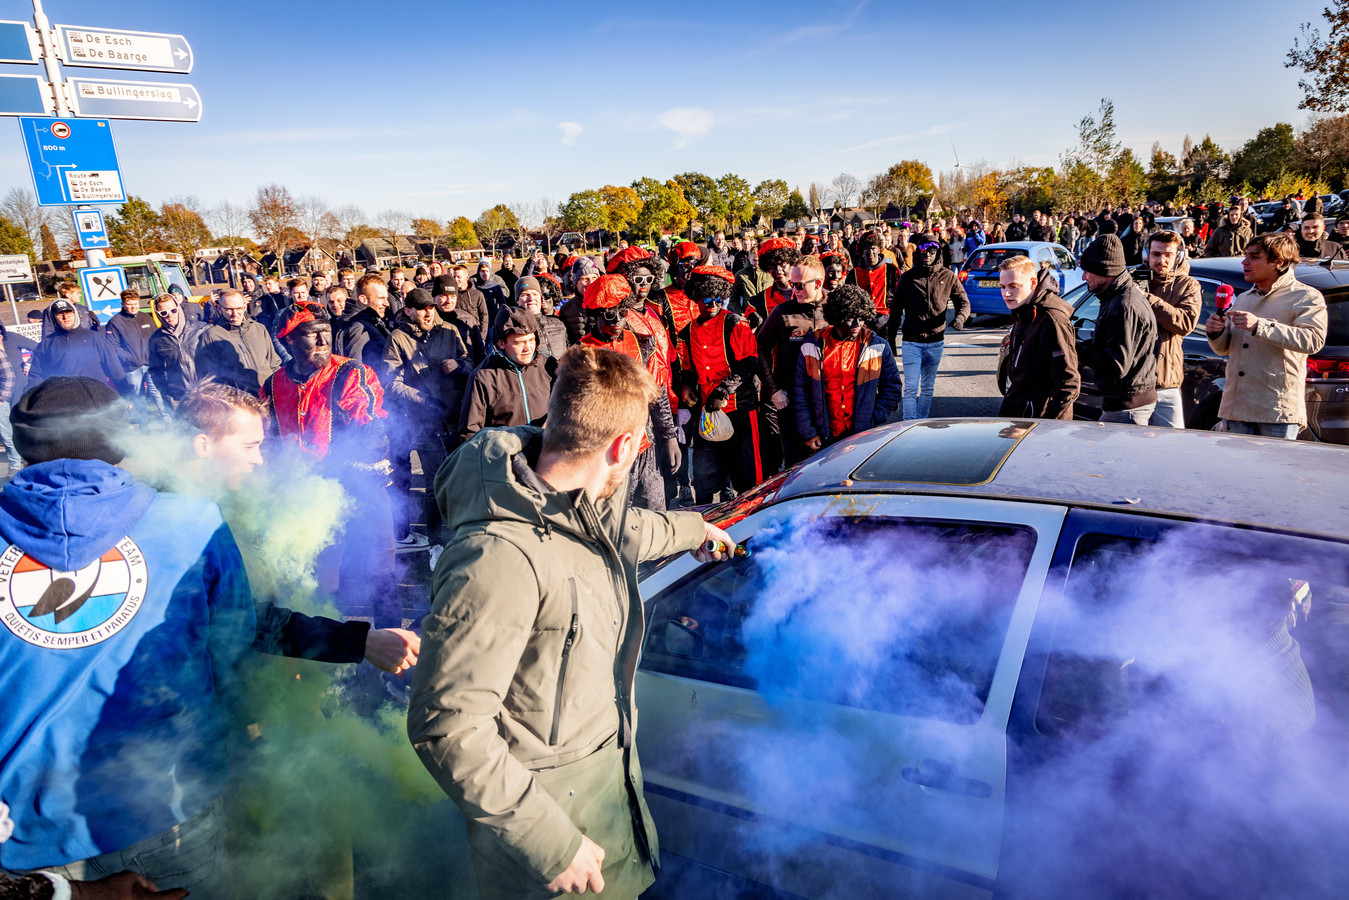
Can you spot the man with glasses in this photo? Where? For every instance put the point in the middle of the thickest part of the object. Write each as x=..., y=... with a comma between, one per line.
x=237, y=350
x=780, y=339
x=922, y=298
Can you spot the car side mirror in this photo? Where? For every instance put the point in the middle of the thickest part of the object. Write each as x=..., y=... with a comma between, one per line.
x=1086, y=332
x=682, y=641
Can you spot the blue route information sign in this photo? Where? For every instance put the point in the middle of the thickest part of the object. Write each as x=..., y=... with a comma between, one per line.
x=73, y=161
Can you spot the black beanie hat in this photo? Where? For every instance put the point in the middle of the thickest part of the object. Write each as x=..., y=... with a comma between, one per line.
x=513, y=320
x=419, y=298
x=1104, y=256
x=69, y=418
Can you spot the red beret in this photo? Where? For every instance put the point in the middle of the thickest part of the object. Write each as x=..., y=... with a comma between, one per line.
x=715, y=270
x=625, y=256
x=606, y=292
x=300, y=314
x=775, y=243
x=685, y=249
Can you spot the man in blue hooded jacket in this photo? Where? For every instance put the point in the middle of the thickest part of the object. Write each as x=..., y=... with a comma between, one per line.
x=122, y=614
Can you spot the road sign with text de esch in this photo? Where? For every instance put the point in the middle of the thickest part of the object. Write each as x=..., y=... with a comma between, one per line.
x=72, y=160
x=105, y=98
x=114, y=48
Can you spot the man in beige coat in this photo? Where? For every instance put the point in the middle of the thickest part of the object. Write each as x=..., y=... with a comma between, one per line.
x=522, y=705
x=1176, y=300
x=1267, y=337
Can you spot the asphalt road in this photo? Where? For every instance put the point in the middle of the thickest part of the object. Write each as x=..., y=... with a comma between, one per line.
x=967, y=380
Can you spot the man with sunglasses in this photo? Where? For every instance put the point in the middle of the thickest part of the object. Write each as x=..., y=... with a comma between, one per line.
x=780, y=339
x=876, y=276
x=608, y=302
x=923, y=295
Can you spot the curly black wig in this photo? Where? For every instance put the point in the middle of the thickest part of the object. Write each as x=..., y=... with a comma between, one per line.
x=702, y=287
x=848, y=302
x=778, y=255
x=871, y=239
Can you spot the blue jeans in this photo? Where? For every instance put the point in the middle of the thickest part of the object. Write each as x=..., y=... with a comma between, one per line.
x=1170, y=412
x=1287, y=431
x=1139, y=415
x=921, y=362
x=141, y=383
x=189, y=855
x=7, y=435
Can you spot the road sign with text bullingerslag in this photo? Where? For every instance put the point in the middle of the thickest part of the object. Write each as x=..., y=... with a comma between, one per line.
x=106, y=98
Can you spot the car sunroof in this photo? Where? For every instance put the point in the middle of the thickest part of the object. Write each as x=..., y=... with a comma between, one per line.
x=945, y=453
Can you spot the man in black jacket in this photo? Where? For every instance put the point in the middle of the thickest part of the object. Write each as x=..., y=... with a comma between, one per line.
x=1124, y=350
x=130, y=330
x=922, y=297
x=512, y=386
x=73, y=350
x=1040, y=367
x=365, y=330
x=1313, y=242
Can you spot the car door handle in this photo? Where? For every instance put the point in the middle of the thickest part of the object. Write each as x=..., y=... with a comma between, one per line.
x=942, y=776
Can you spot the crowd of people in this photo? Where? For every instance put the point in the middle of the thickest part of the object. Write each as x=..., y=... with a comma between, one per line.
x=734, y=360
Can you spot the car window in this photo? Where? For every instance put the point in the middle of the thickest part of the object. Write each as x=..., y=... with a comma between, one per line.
x=1337, y=315
x=1160, y=632
x=985, y=259
x=1044, y=257
x=1088, y=310
x=1066, y=260
x=897, y=615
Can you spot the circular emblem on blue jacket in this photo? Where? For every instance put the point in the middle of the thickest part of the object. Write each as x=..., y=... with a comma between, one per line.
x=69, y=610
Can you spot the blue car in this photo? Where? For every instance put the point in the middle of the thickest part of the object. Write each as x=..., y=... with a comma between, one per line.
x=979, y=275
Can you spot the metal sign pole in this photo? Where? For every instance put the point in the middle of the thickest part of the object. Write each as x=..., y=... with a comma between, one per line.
x=47, y=43
x=14, y=307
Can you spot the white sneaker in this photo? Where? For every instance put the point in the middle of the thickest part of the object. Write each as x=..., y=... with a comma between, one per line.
x=413, y=543
x=434, y=552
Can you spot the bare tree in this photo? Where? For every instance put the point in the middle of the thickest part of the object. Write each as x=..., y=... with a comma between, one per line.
x=274, y=218
x=350, y=218
x=312, y=212
x=391, y=224
x=20, y=207
x=527, y=219
x=229, y=222
x=844, y=189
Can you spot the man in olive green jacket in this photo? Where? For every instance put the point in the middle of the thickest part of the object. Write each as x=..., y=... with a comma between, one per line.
x=522, y=703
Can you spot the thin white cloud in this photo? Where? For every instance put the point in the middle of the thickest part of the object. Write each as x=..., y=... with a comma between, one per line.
x=570, y=132
x=688, y=123
x=819, y=31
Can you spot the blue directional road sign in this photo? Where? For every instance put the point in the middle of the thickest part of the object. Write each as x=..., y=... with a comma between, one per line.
x=103, y=289
x=24, y=95
x=113, y=48
x=73, y=161
x=18, y=42
x=90, y=230
x=158, y=100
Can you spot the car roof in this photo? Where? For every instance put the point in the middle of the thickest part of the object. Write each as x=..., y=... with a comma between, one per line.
x=1293, y=486
x=1021, y=245
x=1333, y=278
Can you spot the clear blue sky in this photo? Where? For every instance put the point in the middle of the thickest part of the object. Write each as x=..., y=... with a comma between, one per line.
x=444, y=108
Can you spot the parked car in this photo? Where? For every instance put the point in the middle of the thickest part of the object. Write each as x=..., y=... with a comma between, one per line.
x=974, y=658
x=1206, y=372
x=979, y=274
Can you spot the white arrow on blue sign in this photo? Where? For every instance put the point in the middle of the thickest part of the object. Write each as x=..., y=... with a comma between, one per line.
x=114, y=48
x=89, y=229
x=104, y=98
x=103, y=289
